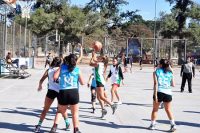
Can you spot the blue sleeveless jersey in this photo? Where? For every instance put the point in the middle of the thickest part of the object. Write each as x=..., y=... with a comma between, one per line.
x=164, y=81
x=69, y=80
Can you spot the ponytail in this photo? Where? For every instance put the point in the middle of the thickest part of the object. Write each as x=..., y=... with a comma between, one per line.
x=71, y=62
x=165, y=65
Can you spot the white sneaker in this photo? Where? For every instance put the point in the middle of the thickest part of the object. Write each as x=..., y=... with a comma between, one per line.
x=173, y=128
x=152, y=127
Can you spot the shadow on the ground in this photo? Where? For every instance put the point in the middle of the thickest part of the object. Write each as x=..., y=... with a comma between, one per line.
x=16, y=127
x=28, y=111
x=192, y=112
x=21, y=127
x=111, y=125
x=138, y=104
x=180, y=123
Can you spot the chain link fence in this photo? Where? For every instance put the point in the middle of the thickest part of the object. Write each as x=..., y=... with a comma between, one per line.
x=12, y=39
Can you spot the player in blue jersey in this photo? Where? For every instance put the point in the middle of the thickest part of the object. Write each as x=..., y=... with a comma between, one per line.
x=52, y=93
x=92, y=85
x=163, y=80
x=69, y=78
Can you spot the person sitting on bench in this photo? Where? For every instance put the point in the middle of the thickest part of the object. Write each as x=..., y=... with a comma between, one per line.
x=10, y=61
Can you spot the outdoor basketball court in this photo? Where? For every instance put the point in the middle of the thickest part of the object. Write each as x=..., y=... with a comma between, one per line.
x=21, y=105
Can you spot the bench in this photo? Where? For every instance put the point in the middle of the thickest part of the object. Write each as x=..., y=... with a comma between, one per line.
x=13, y=70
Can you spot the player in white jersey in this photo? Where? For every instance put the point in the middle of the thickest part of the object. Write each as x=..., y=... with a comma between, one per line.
x=52, y=93
x=116, y=76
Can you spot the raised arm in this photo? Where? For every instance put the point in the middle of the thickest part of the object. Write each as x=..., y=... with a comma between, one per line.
x=81, y=54
x=93, y=61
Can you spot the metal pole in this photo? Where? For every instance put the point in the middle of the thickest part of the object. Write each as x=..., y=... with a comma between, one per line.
x=82, y=39
x=59, y=45
x=185, y=54
x=155, y=45
x=25, y=36
x=20, y=39
x=127, y=47
x=29, y=42
x=6, y=34
x=141, y=47
x=171, y=49
x=3, y=34
x=46, y=39
x=105, y=45
x=13, y=38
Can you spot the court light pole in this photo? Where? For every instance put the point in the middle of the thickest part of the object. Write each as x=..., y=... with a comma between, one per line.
x=155, y=43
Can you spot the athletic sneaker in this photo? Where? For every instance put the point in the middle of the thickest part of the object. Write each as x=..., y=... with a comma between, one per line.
x=104, y=112
x=93, y=110
x=53, y=130
x=173, y=128
x=76, y=130
x=37, y=128
x=114, y=107
x=68, y=127
x=152, y=127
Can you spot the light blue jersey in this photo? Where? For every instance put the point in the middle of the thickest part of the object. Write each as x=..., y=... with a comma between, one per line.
x=93, y=84
x=69, y=80
x=164, y=81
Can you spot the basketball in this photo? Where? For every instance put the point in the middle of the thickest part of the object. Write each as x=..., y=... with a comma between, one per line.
x=97, y=46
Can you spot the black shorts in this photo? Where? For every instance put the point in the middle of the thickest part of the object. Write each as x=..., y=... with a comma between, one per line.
x=68, y=97
x=162, y=97
x=92, y=88
x=99, y=84
x=52, y=94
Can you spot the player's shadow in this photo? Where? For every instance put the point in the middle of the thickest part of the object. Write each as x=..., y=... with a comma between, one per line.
x=20, y=127
x=195, y=112
x=180, y=123
x=138, y=104
x=16, y=127
x=29, y=111
x=111, y=125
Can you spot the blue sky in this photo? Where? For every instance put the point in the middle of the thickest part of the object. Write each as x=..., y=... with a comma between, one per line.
x=146, y=7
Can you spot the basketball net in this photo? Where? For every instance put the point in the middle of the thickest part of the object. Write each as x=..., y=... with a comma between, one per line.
x=26, y=6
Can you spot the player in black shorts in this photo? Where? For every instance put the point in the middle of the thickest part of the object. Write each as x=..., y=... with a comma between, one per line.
x=52, y=93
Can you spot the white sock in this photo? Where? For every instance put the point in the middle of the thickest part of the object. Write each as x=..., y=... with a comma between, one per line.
x=153, y=122
x=172, y=122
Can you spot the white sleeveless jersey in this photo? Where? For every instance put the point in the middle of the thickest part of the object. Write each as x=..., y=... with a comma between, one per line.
x=99, y=71
x=115, y=75
x=51, y=84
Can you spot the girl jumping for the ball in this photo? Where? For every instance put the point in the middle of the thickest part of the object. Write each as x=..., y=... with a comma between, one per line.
x=98, y=64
